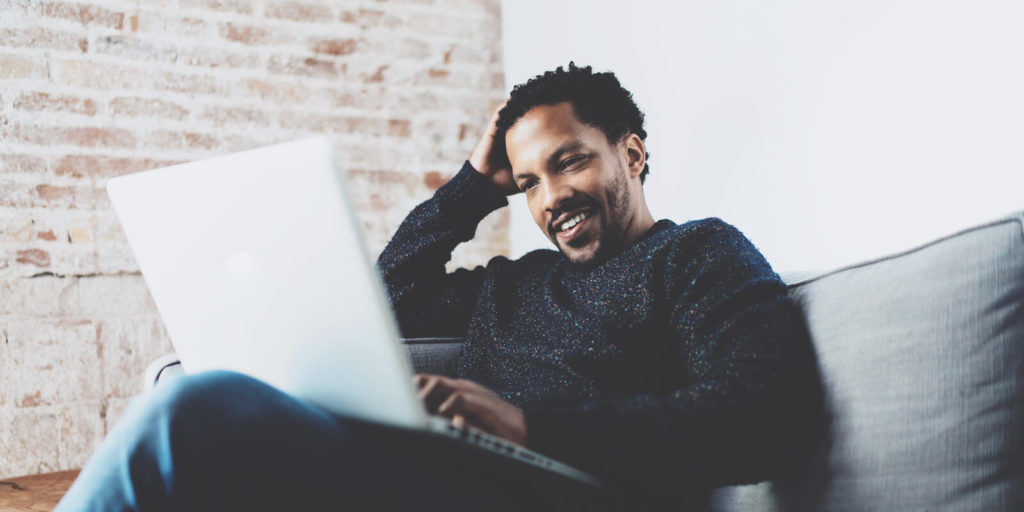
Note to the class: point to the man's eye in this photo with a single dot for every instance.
(527, 185)
(569, 162)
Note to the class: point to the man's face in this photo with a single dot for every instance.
(581, 190)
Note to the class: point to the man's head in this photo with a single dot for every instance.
(575, 142)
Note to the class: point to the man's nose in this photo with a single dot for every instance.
(556, 192)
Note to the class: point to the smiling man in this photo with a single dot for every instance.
(664, 358)
(582, 190)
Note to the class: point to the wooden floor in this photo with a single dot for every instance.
(37, 492)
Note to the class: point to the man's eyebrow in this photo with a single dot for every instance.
(568, 147)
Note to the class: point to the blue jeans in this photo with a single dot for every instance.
(224, 441)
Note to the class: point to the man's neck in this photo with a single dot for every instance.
(638, 226)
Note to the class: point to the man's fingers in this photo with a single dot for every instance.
(458, 420)
(471, 406)
(472, 403)
(427, 388)
(433, 390)
(454, 404)
(492, 128)
(497, 110)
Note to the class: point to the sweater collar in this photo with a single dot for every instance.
(658, 226)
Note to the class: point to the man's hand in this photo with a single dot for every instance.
(478, 407)
(489, 158)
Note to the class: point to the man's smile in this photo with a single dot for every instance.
(576, 223)
(567, 225)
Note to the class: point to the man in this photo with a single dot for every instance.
(665, 359)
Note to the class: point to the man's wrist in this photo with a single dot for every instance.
(469, 196)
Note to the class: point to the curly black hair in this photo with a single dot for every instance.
(598, 100)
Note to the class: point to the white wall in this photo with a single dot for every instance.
(828, 132)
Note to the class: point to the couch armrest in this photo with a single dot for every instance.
(434, 355)
(163, 368)
(428, 355)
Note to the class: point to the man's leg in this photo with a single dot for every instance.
(223, 441)
(214, 441)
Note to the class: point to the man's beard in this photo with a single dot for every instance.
(611, 238)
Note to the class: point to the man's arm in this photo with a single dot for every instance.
(753, 402)
(427, 300)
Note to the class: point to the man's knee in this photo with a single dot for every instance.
(229, 412)
(206, 397)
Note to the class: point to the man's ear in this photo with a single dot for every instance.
(636, 154)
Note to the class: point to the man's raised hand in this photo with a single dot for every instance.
(489, 157)
(475, 404)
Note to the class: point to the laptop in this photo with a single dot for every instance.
(257, 264)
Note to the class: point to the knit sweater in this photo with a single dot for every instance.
(680, 363)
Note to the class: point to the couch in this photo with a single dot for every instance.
(922, 362)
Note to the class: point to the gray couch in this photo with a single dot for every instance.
(922, 362)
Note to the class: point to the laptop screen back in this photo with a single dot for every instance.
(256, 263)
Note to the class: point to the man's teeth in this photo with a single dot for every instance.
(573, 221)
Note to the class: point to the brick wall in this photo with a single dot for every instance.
(93, 90)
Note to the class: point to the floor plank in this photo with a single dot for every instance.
(36, 492)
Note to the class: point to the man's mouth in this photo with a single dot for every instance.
(568, 228)
(576, 219)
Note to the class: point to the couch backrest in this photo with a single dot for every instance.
(922, 361)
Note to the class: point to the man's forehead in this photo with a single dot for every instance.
(545, 131)
(555, 116)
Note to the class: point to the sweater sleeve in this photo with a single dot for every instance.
(749, 409)
(427, 300)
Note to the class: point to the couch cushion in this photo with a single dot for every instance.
(434, 355)
(922, 360)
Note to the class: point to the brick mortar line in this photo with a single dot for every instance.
(113, 120)
(197, 114)
(235, 74)
(244, 133)
(201, 124)
(298, 47)
(211, 37)
(130, 153)
(404, 12)
(411, 163)
(217, 128)
(25, 178)
(150, 316)
(108, 96)
(89, 275)
(102, 208)
(410, 159)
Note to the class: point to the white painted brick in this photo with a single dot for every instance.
(129, 344)
(29, 441)
(115, 410)
(81, 426)
(39, 297)
(114, 295)
(121, 86)
(51, 362)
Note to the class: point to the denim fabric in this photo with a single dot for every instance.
(224, 441)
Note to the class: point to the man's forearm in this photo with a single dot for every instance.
(424, 296)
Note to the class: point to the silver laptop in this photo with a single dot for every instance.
(257, 264)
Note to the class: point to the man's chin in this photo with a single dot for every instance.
(583, 256)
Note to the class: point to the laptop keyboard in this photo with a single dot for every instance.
(496, 444)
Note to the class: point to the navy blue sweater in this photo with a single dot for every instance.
(678, 364)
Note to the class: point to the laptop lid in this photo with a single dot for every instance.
(257, 264)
